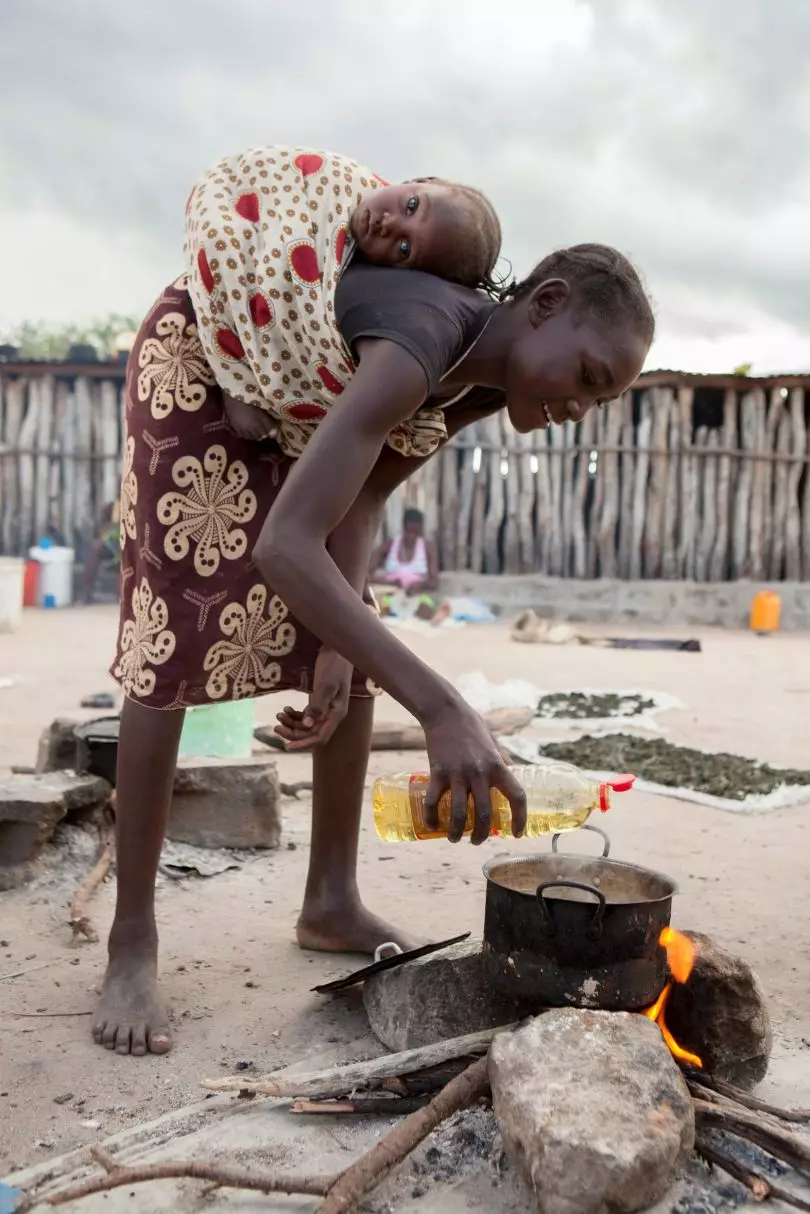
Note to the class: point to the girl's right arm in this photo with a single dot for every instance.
(388, 387)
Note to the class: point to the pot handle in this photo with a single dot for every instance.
(597, 830)
(550, 927)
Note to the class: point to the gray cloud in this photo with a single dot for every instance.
(678, 131)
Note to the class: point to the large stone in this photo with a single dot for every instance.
(30, 809)
(593, 1110)
(721, 1015)
(435, 997)
(226, 803)
(58, 747)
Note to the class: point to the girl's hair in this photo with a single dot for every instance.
(472, 259)
(604, 283)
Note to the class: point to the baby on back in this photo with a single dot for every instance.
(439, 227)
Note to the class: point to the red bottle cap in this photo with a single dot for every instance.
(619, 784)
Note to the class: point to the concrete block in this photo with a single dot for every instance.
(226, 803)
(30, 809)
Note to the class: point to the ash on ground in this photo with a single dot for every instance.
(462, 1166)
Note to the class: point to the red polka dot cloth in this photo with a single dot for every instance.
(267, 237)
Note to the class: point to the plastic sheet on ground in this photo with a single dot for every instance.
(528, 749)
(484, 695)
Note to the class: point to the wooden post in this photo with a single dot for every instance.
(479, 507)
(42, 445)
(585, 435)
(660, 402)
(780, 497)
(725, 485)
(762, 442)
(525, 508)
(84, 503)
(12, 423)
(706, 503)
(640, 486)
(627, 467)
(689, 501)
(108, 443)
(740, 562)
(669, 539)
(467, 489)
(448, 506)
(511, 534)
(793, 525)
(497, 499)
(543, 510)
(556, 440)
(604, 523)
(569, 445)
(27, 439)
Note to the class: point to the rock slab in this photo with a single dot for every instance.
(721, 1014)
(30, 809)
(593, 1110)
(435, 997)
(226, 803)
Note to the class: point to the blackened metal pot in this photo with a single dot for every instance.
(571, 931)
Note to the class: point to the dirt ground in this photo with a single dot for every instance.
(238, 986)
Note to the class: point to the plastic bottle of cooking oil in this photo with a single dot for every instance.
(560, 797)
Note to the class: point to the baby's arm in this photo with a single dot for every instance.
(248, 420)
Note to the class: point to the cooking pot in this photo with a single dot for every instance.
(574, 931)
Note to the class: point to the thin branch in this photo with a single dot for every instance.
(80, 922)
(372, 1168)
(31, 970)
(222, 1175)
(697, 1079)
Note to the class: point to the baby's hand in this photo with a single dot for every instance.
(248, 421)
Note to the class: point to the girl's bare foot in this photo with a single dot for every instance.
(131, 1017)
(350, 929)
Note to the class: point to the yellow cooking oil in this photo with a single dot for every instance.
(559, 797)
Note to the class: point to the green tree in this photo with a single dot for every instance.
(40, 340)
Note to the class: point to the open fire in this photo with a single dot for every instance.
(681, 954)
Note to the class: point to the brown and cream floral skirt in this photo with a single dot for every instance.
(199, 625)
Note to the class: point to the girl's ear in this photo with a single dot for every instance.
(549, 297)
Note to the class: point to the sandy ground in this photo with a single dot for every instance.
(238, 986)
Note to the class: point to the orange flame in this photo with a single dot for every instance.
(681, 955)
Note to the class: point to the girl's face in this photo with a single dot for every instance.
(412, 225)
(559, 366)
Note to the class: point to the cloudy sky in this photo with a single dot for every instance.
(678, 130)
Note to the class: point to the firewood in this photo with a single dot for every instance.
(357, 1076)
(372, 1168)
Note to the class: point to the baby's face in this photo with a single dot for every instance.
(413, 225)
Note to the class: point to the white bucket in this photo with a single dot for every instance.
(55, 587)
(12, 573)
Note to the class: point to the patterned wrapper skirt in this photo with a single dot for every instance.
(199, 625)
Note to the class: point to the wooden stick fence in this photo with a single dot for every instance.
(61, 435)
(706, 478)
(669, 482)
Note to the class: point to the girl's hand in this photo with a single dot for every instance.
(465, 759)
(328, 704)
